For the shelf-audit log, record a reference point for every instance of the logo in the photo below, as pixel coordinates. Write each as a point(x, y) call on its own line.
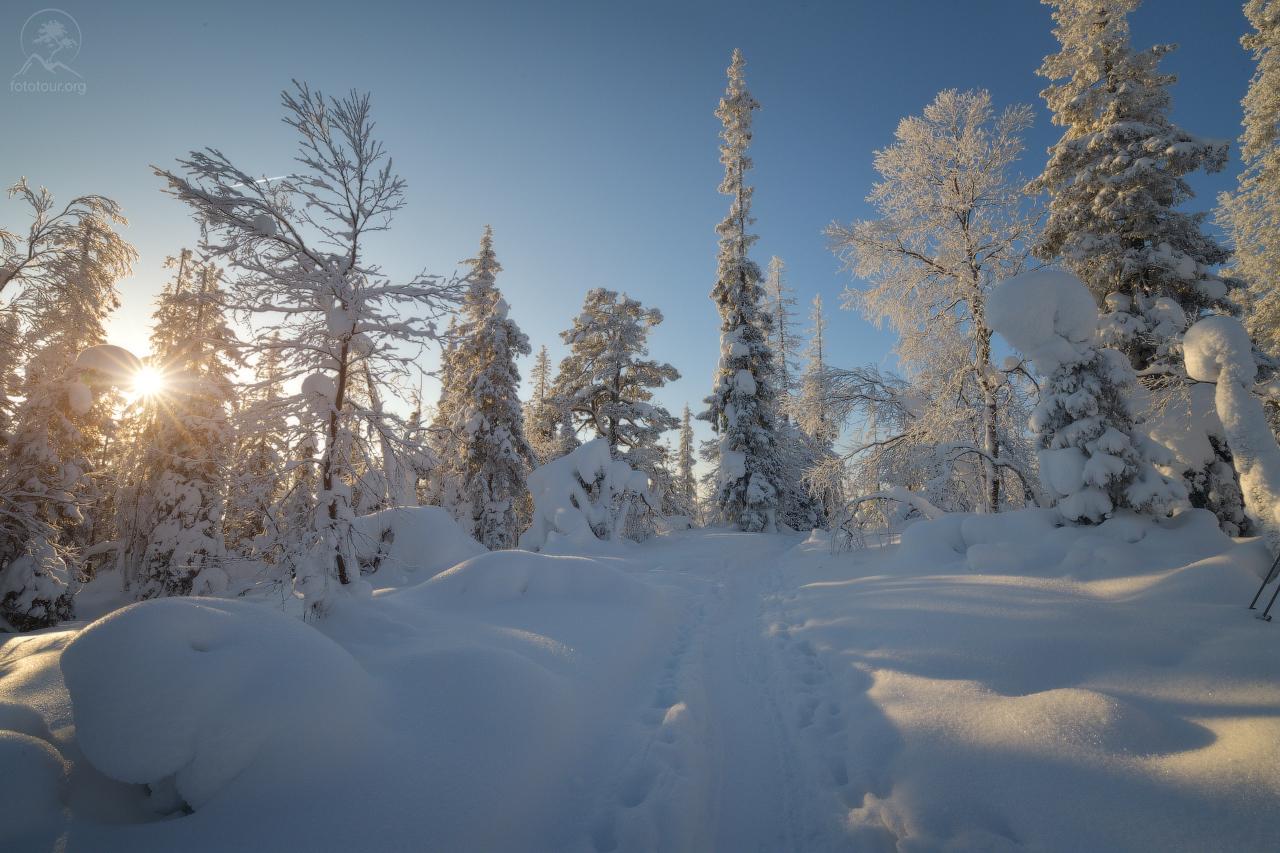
point(50, 41)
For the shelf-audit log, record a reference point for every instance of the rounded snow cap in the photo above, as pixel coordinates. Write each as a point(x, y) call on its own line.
point(1047, 315)
point(1215, 344)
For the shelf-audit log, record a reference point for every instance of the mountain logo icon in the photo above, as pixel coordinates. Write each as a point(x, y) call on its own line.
point(50, 42)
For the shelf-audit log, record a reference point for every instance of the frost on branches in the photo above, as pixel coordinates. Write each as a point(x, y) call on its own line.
point(1115, 180)
point(605, 384)
point(951, 222)
point(1252, 213)
point(741, 408)
point(481, 446)
point(583, 497)
point(172, 502)
point(1218, 350)
point(1093, 460)
point(48, 494)
point(301, 281)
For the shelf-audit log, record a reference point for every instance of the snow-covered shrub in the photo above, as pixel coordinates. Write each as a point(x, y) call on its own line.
point(1093, 460)
point(193, 693)
point(584, 496)
point(1218, 349)
point(407, 543)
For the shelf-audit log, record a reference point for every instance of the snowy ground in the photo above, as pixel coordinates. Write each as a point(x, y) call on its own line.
point(982, 686)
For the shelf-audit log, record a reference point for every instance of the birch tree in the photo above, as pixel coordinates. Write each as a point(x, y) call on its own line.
point(303, 283)
point(951, 222)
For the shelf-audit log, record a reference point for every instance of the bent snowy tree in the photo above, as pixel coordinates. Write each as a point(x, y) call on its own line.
point(301, 282)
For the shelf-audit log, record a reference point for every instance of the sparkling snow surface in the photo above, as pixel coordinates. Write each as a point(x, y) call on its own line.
point(987, 684)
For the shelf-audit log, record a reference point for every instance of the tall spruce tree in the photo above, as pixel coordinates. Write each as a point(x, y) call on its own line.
point(742, 408)
point(1115, 181)
point(686, 484)
point(1252, 213)
point(484, 455)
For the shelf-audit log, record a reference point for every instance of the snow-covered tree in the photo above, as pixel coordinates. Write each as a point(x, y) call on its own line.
point(10, 343)
point(1115, 180)
point(605, 384)
point(261, 447)
point(1094, 460)
point(782, 336)
point(36, 256)
point(951, 223)
point(1252, 213)
point(742, 409)
point(812, 406)
point(1217, 350)
point(685, 485)
point(484, 457)
point(47, 493)
point(545, 420)
point(171, 525)
point(297, 247)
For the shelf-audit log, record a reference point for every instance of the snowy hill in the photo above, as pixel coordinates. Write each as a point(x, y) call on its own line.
point(1018, 686)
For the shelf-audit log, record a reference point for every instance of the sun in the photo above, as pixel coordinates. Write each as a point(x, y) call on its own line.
point(148, 382)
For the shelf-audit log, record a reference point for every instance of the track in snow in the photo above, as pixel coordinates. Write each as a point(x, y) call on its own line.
point(730, 753)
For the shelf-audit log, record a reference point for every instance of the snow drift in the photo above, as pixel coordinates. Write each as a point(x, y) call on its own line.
point(196, 692)
point(406, 545)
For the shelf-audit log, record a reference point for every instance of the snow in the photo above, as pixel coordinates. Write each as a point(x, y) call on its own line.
point(1218, 350)
point(319, 390)
point(981, 686)
point(201, 692)
point(111, 364)
point(411, 544)
point(79, 398)
point(264, 225)
point(1047, 315)
point(582, 497)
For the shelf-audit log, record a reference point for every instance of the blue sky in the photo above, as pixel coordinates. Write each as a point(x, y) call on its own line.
point(583, 132)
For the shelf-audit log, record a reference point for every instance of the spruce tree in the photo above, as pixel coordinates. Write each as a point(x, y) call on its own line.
point(606, 384)
point(742, 408)
point(175, 544)
point(1115, 181)
point(484, 455)
point(1252, 213)
point(543, 416)
point(686, 484)
point(46, 488)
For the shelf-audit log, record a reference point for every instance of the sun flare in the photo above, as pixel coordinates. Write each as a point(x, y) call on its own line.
point(148, 382)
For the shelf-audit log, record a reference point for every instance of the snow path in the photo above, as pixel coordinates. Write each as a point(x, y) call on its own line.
point(988, 685)
point(721, 762)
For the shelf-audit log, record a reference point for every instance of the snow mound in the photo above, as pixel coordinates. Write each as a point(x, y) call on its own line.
point(31, 808)
point(505, 576)
point(409, 544)
point(24, 720)
point(1047, 315)
point(583, 497)
point(111, 364)
point(1217, 349)
point(197, 691)
point(1034, 542)
point(1216, 343)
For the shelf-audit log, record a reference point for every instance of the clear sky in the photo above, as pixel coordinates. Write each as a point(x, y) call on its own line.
point(583, 132)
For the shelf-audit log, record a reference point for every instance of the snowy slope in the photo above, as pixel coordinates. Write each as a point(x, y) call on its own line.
point(986, 685)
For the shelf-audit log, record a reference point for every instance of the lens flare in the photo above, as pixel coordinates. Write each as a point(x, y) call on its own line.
point(148, 382)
